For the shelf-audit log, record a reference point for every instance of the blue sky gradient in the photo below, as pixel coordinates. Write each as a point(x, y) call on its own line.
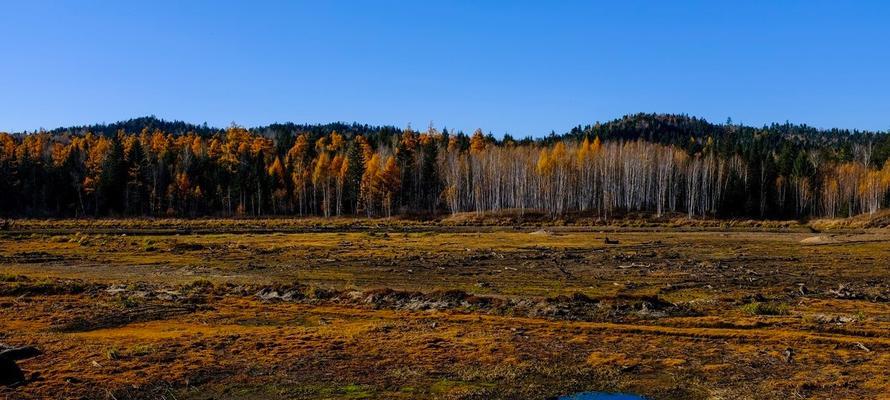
point(523, 68)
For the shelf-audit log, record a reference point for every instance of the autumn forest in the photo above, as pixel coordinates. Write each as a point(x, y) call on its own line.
point(651, 163)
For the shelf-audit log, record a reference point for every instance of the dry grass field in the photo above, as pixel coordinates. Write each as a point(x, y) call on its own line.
point(212, 309)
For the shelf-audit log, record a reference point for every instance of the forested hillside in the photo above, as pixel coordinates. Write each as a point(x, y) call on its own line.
point(646, 162)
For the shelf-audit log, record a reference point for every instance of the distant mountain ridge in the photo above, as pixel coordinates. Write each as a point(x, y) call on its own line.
point(645, 125)
point(680, 130)
point(176, 127)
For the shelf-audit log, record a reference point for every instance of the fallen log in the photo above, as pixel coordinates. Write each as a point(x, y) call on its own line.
point(18, 353)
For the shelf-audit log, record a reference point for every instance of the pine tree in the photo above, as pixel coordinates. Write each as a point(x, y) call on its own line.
point(352, 180)
point(113, 179)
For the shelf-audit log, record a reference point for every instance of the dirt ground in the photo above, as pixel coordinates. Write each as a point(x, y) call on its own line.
point(236, 311)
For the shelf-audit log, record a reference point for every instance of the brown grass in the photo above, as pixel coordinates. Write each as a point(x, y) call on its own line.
point(434, 312)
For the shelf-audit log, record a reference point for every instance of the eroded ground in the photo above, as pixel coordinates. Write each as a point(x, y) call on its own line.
point(446, 313)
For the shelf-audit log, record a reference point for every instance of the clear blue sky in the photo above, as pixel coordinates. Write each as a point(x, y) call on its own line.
point(518, 67)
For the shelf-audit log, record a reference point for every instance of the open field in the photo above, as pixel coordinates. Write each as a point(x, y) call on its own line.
point(392, 309)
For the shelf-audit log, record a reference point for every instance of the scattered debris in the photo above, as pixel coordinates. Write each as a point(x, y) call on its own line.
point(789, 355)
point(635, 265)
point(832, 319)
point(844, 292)
point(822, 239)
point(577, 307)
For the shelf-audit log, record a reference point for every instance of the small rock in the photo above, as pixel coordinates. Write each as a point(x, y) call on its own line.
point(10, 373)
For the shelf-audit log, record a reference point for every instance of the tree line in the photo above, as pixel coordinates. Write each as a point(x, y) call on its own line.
point(646, 162)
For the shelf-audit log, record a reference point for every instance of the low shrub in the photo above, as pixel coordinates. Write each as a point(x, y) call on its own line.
point(759, 308)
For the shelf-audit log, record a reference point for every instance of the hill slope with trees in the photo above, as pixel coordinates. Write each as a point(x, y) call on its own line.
point(654, 163)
